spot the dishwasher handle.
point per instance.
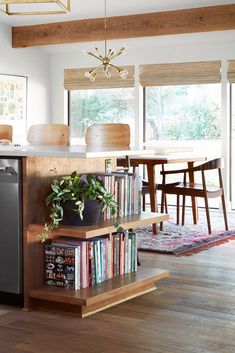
(8, 170)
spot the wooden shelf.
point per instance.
(104, 227)
(85, 301)
(106, 294)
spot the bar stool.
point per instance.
(6, 132)
(48, 134)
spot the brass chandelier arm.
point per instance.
(96, 69)
(119, 69)
(95, 56)
(115, 55)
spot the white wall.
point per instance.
(33, 63)
(164, 49)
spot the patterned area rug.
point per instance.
(188, 239)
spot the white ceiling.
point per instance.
(81, 9)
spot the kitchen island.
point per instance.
(40, 165)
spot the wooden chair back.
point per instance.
(6, 132)
(210, 165)
(48, 134)
(110, 134)
(191, 188)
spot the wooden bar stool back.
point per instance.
(113, 135)
(48, 134)
(6, 132)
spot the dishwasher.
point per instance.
(10, 231)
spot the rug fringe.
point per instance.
(205, 246)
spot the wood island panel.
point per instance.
(38, 173)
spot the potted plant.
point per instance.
(78, 200)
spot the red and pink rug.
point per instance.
(188, 239)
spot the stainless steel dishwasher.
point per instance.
(10, 231)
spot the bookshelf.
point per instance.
(104, 227)
(85, 301)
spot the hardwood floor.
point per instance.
(193, 311)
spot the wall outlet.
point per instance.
(108, 165)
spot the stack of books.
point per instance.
(78, 263)
(126, 188)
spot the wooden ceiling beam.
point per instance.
(204, 19)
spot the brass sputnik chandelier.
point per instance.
(32, 7)
(109, 55)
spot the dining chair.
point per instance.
(6, 132)
(204, 189)
(48, 134)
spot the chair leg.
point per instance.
(166, 206)
(183, 209)
(208, 215)
(178, 210)
(144, 202)
(194, 209)
(224, 212)
(163, 198)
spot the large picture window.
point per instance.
(233, 144)
(185, 116)
(189, 115)
(87, 107)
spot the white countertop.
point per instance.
(68, 151)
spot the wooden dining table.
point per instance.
(152, 159)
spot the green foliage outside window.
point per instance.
(183, 112)
(99, 106)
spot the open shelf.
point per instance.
(106, 294)
(104, 227)
(86, 301)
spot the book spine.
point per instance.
(129, 254)
(77, 268)
(91, 263)
(99, 265)
(121, 252)
(96, 261)
(133, 253)
(84, 281)
(126, 251)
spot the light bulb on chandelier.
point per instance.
(106, 65)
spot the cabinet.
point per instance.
(85, 301)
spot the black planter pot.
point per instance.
(91, 213)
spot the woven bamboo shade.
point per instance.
(74, 79)
(231, 71)
(180, 73)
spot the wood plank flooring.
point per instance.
(193, 311)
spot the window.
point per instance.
(91, 106)
(232, 143)
(185, 116)
(188, 115)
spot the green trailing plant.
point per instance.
(77, 188)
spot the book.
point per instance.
(62, 266)
(84, 265)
